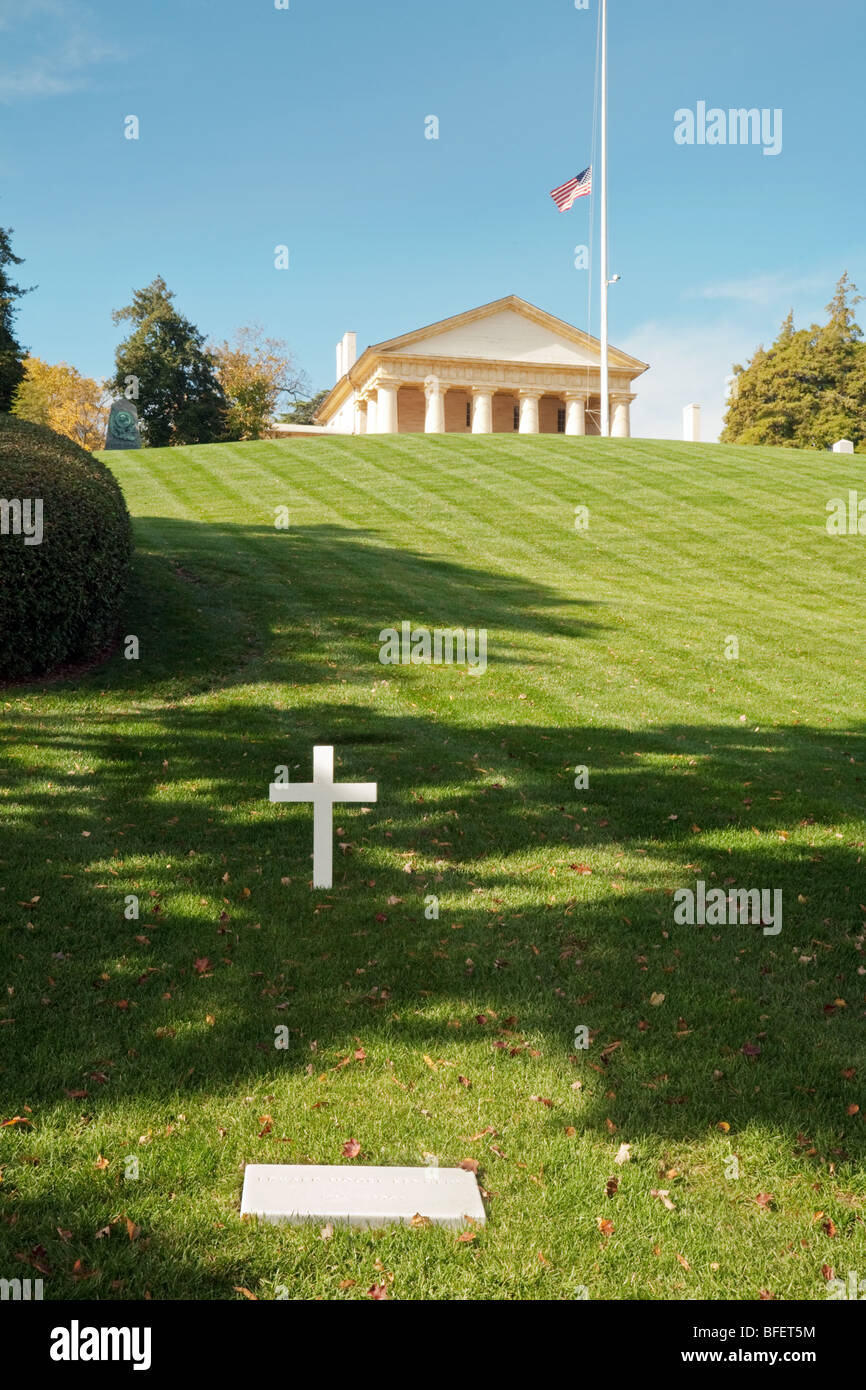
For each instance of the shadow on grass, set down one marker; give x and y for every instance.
(220, 604)
(469, 811)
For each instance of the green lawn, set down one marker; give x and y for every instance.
(153, 1039)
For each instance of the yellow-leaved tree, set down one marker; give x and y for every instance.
(254, 372)
(57, 395)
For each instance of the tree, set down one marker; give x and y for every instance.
(809, 388)
(11, 352)
(840, 366)
(304, 412)
(179, 397)
(61, 398)
(254, 372)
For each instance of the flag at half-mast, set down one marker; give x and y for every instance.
(566, 196)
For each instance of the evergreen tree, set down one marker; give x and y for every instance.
(809, 388)
(11, 353)
(180, 399)
(839, 364)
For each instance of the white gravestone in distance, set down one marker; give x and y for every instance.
(365, 1197)
(843, 446)
(323, 792)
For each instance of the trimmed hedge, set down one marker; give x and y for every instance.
(59, 600)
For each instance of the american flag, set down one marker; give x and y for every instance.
(566, 196)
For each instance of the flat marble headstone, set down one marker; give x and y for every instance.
(298, 1193)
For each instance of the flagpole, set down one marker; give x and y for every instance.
(605, 368)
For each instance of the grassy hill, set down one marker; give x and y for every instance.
(153, 1039)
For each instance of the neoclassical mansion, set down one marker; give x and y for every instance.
(503, 367)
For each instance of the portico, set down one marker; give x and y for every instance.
(506, 367)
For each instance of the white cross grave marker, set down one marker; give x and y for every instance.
(323, 792)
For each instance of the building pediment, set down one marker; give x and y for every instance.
(508, 330)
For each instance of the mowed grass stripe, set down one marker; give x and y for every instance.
(617, 554)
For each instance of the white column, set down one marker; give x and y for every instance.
(482, 410)
(621, 416)
(372, 412)
(361, 415)
(434, 414)
(692, 424)
(575, 412)
(529, 411)
(386, 415)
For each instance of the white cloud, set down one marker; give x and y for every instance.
(761, 290)
(54, 56)
(688, 363)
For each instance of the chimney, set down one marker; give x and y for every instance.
(340, 371)
(350, 350)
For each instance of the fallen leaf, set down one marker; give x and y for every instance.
(37, 1259)
(239, 1288)
(664, 1197)
(351, 1148)
(606, 1227)
(623, 1154)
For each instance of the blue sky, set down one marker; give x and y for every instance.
(305, 127)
